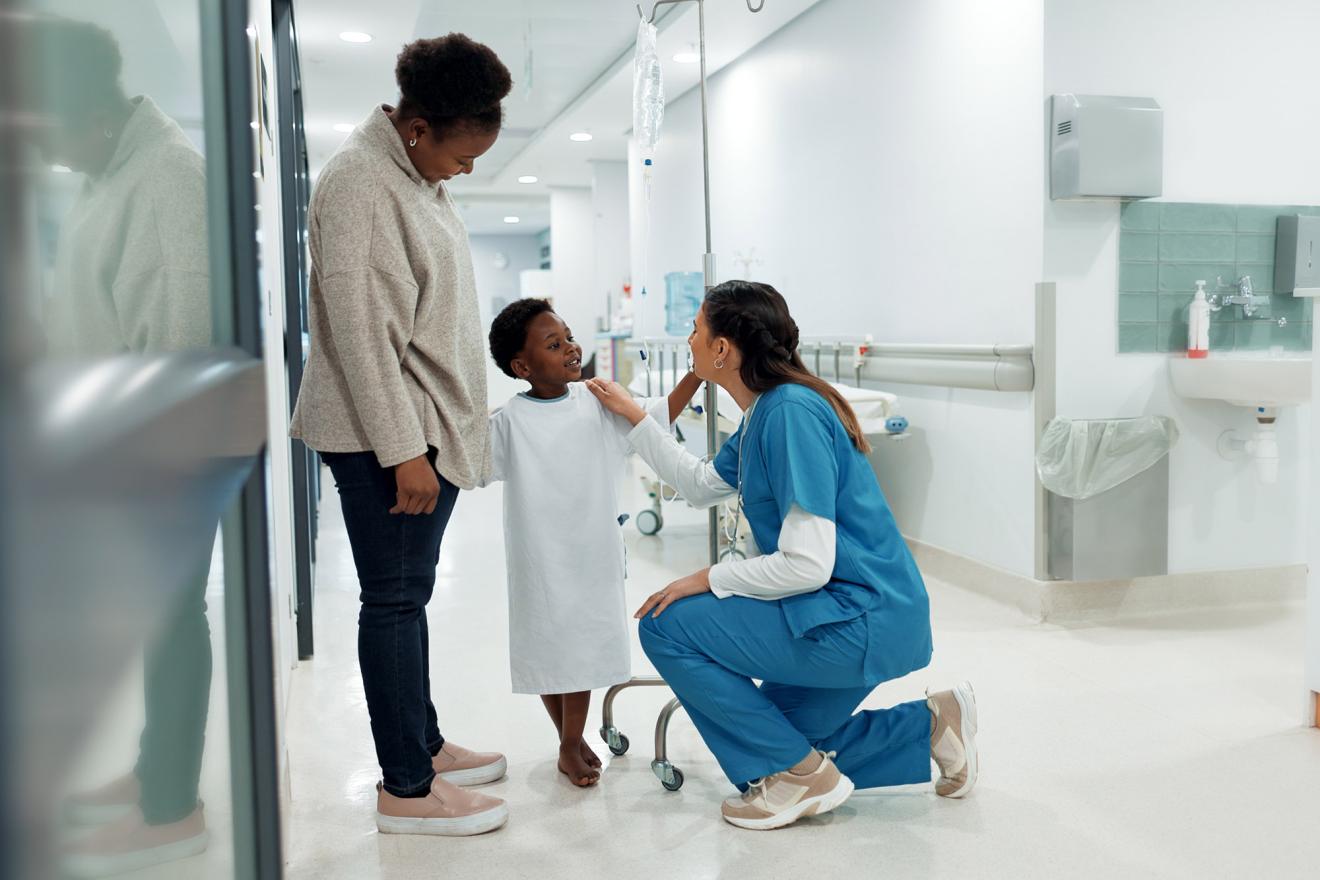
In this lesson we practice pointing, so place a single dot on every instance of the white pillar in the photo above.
(609, 203)
(572, 261)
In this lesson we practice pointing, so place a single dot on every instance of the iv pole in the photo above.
(708, 259)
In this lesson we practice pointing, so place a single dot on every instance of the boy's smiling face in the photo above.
(550, 359)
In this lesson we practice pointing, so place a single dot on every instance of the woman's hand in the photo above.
(692, 585)
(615, 398)
(418, 488)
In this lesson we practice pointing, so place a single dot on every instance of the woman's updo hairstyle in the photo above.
(452, 82)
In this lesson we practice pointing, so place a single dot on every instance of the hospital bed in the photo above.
(877, 411)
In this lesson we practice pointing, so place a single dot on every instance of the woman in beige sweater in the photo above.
(394, 399)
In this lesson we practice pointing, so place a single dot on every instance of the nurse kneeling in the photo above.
(834, 607)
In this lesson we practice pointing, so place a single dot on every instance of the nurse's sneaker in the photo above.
(446, 811)
(460, 766)
(783, 798)
(953, 739)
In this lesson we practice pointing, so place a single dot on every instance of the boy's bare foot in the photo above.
(575, 767)
(590, 757)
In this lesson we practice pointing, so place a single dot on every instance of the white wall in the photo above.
(883, 157)
(1235, 132)
(1313, 555)
(494, 283)
(573, 260)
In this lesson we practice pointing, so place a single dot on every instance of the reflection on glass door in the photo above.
(137, 668)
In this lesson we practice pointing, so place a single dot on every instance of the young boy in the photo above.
(561, 456)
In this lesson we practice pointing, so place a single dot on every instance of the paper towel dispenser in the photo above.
(1105, 147)
(1297, 255)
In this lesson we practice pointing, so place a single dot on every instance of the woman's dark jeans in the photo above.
(396, 556)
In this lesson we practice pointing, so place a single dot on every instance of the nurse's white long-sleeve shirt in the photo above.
(805, 558)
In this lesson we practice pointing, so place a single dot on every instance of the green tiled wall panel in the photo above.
(1166, 247)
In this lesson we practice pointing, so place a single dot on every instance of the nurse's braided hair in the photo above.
(756, 319)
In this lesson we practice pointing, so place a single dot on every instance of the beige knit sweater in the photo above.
(131, 271)
(397, 360)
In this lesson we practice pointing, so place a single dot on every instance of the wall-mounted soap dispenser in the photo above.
(1297, 255)
(1104, 147)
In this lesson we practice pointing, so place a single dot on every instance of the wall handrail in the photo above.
(982, 367)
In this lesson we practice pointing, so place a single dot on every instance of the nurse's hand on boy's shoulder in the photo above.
(615, 398)
(692, 585)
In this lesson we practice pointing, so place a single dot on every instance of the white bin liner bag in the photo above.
(1080, 459)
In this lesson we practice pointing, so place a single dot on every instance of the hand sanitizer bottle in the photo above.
(1198, 324)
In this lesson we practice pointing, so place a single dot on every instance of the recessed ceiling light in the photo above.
(345, 127)
(61, 169)
(528, 178)
(687, 57)
(512, 219)
(355, 37)
(580, 136)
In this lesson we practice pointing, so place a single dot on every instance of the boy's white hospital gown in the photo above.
(563, 463)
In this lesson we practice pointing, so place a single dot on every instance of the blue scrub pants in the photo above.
(708, 650)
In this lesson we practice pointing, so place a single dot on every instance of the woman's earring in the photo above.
(413, 142)
(719, 365)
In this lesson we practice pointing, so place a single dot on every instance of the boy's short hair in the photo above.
(508, 332)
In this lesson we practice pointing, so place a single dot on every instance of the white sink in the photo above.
(1244, 379)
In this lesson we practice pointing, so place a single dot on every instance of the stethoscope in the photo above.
(732, 536)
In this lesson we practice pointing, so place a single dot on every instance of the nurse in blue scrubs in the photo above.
(832, 607)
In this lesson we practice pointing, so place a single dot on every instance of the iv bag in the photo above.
(648, 90)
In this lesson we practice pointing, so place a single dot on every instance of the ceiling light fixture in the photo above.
(580, 136)
(344, 127)
(687, 57)
(512, 219)
(355, 37)
(528, 178)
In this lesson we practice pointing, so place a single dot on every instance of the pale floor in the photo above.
(1168, 747)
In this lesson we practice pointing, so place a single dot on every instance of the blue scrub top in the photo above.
(798, 452)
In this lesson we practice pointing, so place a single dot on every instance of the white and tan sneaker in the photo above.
(460, 766)
(447, 811)
(953, 739)
(783, 798)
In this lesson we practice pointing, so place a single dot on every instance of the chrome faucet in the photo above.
(1246, 297)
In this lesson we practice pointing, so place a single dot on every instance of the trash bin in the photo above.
(1107, 502)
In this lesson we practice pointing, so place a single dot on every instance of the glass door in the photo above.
(138, 695)
(296, 191)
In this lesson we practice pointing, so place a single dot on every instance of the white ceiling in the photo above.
(571, 62)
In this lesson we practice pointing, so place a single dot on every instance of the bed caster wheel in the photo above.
(669, 775)
(615, 741)
(676, 783)
(649, 522)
